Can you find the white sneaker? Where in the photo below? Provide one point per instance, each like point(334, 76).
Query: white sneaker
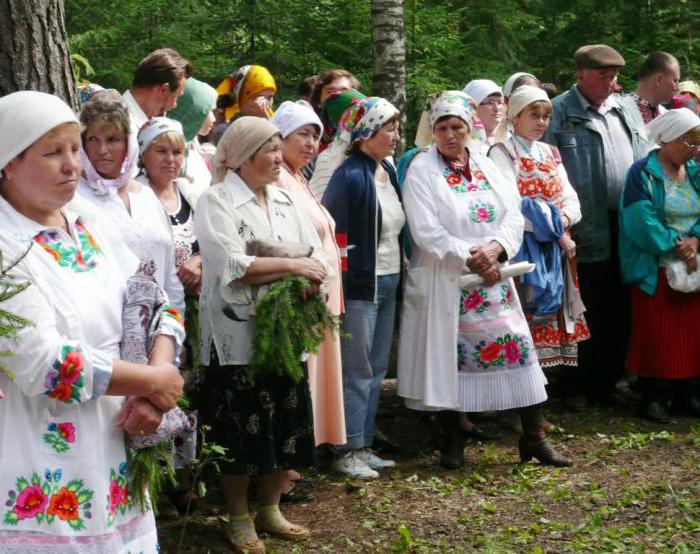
point(352, 465)
point(374, 461)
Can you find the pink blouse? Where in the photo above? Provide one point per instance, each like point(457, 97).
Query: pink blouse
point(325, 227)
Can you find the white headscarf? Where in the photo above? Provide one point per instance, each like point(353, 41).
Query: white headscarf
point(291, 116)
point(671, 125)
point(508, 87)
point(523, 97)
point(450, 102)
point(481, 89)
point(25, 117)
point(155, 127)
point(97, 183)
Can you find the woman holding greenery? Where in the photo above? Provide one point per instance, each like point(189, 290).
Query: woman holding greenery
point(62, 452)
point(263, 418)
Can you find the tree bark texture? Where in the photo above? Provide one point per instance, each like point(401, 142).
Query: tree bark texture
point(34, 49)
point(389, 75)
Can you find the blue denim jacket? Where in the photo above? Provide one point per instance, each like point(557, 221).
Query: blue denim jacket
point(581, 146)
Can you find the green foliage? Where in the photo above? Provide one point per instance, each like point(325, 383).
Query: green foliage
point(448, 42)
point(149, 468)
point(10, 324)
point(287, 325)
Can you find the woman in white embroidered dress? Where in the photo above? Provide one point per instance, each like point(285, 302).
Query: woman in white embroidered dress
point(132, 218)
point(469, 350)
point(63, 469)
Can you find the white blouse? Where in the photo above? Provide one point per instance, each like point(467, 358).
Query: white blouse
point(144, 231)
point(393, 220)
point(62, 458)
point(226, 217)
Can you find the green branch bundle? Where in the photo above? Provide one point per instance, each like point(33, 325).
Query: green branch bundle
point(287, 325)
point(10, 324)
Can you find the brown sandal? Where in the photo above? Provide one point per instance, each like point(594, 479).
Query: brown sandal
point(294, 533)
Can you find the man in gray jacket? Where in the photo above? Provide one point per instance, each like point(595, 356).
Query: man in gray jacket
point(598, 143)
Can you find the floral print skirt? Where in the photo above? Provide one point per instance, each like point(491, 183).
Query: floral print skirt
point(265, 424)
point(497, 361)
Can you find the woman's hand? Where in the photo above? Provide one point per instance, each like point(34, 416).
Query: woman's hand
point(312, 290)
point(260, 107)
point(139, 417)
point(687, 249)
point(167, 386)
point(484, 261)
point(1, 395)
point(190, 275)
point(568, 246)
point(309, 268)
point(484, 257)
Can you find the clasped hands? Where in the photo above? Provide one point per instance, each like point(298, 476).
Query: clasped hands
point(141, 415)
point(687, 250)
point(484, 261)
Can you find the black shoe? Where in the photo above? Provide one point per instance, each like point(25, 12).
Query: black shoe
point(655, 412)
point(483, 435)
point(689, 408)
point(543, 451)
point(296, 495)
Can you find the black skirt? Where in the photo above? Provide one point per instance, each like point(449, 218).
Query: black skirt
point(265, 424)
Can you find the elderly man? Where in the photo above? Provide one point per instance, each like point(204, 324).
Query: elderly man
point(659, 76)
point(158, 82)
point(598, 143)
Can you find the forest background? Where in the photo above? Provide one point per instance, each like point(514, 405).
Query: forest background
point(448, 42)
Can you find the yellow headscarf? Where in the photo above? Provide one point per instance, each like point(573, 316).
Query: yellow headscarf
point(244, 84)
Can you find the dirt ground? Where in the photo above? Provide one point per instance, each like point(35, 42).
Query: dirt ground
point(635, 487)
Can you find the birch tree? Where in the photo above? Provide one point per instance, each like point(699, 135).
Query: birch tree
point(389, 74)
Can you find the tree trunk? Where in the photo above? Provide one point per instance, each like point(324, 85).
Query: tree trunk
point(389, 75)
point(34, 50)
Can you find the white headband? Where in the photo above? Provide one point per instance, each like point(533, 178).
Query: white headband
point(155, 127)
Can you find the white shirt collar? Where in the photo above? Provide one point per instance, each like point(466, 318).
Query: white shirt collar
point(134, 109)
point(609, 104)
point(241, 194)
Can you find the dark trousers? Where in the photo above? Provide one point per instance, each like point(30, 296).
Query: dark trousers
point(602, 357)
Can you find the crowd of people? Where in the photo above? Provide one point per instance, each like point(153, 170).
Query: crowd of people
point(527, 235)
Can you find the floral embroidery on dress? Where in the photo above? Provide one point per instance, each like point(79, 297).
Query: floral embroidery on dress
point(45, 500)
point(508, 349)
point(170, 311)
point(506, 297)
point(78, 258)
point(118, 499)
point(539, 179)
point(459, 184)
point(475, 300)
point(461, 354)
point(482, 212)
point(65, 380)
point(60, 436)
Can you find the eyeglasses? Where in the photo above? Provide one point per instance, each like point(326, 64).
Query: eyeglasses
point(692, 146)
point(492, 103)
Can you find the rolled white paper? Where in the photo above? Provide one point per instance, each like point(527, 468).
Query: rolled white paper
point(471, 280)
